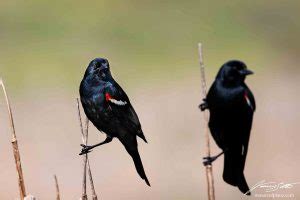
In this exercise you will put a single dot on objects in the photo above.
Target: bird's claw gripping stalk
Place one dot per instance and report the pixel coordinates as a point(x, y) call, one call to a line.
point(85, 149)
point(208, 160)
point(203, 106)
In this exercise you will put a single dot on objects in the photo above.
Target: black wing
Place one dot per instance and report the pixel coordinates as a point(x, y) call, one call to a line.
point(246, 124)
point(215, 117)
point(122, 109)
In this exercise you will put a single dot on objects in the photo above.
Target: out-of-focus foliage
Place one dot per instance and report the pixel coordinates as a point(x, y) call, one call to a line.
point(49, 43)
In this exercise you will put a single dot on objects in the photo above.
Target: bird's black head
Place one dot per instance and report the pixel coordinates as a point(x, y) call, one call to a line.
point(233, 72)
point(99, 68)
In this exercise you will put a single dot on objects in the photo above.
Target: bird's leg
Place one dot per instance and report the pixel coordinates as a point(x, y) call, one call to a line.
point(86, 149)
point(203, 106)
point(210, 159)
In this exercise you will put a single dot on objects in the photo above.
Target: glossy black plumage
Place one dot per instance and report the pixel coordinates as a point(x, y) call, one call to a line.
point(231, 105)
point(109, 109)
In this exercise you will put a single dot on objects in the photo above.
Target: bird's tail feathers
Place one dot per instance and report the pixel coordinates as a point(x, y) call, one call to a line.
point(229, 172)
point(139, 166)
point(130, 145)
point(142, 136)
point(233, 173)
point(243, 186)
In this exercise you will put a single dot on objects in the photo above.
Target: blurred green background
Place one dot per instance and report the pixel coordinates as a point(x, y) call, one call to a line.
point(46, 45)
point(49, 43)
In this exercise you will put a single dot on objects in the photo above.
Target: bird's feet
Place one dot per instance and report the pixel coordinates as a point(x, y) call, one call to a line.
point(203, 105)
point(85, 149)
point(209, 160)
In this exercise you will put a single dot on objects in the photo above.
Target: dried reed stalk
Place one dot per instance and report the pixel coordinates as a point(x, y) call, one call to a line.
point(15, 145)
point(94, 195)
point(209, 168)
point(86, 162)
point(29, 197)
point(57, 188)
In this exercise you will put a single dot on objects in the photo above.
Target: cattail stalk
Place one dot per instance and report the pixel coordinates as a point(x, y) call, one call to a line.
point(86, 162)
point(57, 188)
point(15, 145)
point(208, 168)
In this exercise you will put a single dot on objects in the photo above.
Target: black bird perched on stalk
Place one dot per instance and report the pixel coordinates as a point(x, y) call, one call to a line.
point(231, 105)
point(107, 106)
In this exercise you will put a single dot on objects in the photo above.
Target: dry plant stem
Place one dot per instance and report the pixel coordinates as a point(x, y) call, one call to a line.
point(208, 168)
point(85, 158)
point(86, 163)
point(29, 197)
point(15, 145)
point(94, 195)
point(83, 195)
point(57, 188)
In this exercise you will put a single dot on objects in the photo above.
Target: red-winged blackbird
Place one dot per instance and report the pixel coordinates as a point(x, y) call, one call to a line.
point(109, 109)
point(231, 105)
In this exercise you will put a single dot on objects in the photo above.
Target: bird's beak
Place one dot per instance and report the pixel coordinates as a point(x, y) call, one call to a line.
point(246, 72)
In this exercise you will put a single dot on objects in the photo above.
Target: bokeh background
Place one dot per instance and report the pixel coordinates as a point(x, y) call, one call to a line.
point(46, 45)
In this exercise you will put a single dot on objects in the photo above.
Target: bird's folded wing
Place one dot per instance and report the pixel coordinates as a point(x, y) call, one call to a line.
point(122, 108)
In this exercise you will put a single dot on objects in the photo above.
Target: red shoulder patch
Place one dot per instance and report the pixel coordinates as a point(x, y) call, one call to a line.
point(107, 96)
